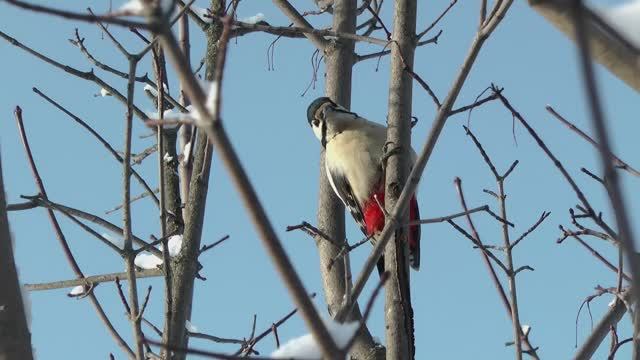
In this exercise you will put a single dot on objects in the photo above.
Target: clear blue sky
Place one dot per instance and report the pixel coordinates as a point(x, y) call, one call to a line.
point(457, 312)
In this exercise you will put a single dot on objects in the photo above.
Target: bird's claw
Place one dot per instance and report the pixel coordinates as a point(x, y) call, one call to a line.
point(388, 151)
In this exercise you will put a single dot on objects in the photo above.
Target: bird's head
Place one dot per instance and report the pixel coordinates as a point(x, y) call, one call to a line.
point(317, 116)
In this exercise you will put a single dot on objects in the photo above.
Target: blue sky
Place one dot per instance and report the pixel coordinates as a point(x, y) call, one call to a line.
point(453, 299)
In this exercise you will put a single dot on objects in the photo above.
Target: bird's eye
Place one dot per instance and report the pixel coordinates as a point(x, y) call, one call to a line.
point(316, 122)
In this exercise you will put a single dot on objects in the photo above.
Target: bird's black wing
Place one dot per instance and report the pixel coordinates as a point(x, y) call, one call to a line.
point(343, 189)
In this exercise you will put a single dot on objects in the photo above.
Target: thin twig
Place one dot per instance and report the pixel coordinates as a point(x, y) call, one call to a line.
point(518, 333)
point(618, 163)
point(100, 139)
point(216, 339)
point(599, 333)
point(62, 239)
point(484, 208)
point(474, 105)
point(588, 209)
point(108, 18)
point(268, 331)
point(211, 246)
point(126, 217)
point(437, 20)
point(133, 199)
point(86, 75)
point(380, 54)
point(87, 281)
point(39, 201)
point(301, 22)
point(531, 229)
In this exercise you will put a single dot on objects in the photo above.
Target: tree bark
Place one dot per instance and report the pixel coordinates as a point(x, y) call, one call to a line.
point(339, 66)
point(15, 338)
point(398, 311)
point(609, 48)
point(185, 265)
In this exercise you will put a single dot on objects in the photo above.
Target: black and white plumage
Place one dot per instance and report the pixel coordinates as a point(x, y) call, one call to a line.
point(354, 149)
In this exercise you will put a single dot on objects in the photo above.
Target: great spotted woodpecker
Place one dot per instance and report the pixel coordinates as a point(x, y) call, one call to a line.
point(354, 151)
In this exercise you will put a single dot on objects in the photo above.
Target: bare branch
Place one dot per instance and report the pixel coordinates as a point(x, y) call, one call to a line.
point(126, 218)
point(592, 251)
point(614, 189)
point(62, 239)
point(15, 338)
point(301, 22)
point(91, 280)
point(617, 162)
point(246, 348)
point(86, 75)
point(423, 158)
point(542, 218)
point(437, 20)
point(111, 19)
point(102, 140)
point(612, 317)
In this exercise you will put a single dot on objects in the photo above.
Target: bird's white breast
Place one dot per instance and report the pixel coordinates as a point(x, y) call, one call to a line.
point(356, 153)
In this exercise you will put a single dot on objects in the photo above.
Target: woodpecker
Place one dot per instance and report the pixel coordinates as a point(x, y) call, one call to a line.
point(354, 153)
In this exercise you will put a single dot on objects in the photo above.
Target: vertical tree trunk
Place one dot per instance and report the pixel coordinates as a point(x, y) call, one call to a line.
point(185, 266)
point(15, 338)
point(339, 64)
point(185, 132)
point(398, 311)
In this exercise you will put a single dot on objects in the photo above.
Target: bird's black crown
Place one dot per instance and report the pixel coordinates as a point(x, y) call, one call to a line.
point(315, 105)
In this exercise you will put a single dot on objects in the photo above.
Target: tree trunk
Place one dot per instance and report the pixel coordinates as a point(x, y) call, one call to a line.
point(339, 63)
point(15, 338)
point(185, 266)
point(398, 310)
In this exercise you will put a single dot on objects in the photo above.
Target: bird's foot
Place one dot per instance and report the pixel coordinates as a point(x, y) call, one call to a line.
point(388, 151)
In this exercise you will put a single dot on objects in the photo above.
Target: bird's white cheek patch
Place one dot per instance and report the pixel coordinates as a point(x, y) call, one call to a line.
point(317, 132)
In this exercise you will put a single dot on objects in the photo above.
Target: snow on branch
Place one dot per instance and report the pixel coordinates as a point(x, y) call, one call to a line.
point(306, 347)
point(151, 261)
point(626, 19)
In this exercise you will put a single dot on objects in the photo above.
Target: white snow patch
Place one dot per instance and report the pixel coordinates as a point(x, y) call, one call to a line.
point(115, 240)
point(147, 261)
point(167, 115)
point(203, 14)
point(171, 115)
point(190, 327)
point(306, 346)
point(153, 91)
point(76, 291)
point(253, 19)
point(526, 329)
point(143, 7)
point(151, 261)
point(210, 104)
point(212, 97)
point(167, 158)
point(104, 92)
point(625, 18)
point(187, 150)
point(174, 244)
point(134, 7)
